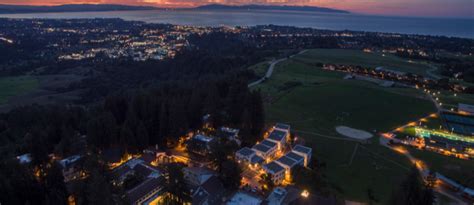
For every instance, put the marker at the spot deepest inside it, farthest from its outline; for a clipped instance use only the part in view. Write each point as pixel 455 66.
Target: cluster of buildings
pixel 273 156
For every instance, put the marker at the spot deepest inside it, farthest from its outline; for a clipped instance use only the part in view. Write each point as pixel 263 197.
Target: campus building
pixel 266 149
pixel 276 172
pixel 248 156
pixel 305 152
pixel 279 137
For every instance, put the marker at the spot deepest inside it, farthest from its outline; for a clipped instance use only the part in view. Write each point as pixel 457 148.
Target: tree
pixel 412 191
pixel 230 175
pixel 175 183
pixel 98 189
pixel 54 184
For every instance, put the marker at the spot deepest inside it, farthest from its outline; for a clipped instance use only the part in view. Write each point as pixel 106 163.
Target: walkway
pixel 271 68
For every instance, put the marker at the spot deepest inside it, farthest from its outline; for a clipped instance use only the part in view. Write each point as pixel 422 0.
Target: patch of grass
pixel 456 169
pixel 13 86
pixel 260 69
pixel 357 57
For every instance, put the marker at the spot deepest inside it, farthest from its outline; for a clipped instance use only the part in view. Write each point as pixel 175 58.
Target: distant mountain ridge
pixel 7 9
pixel 270 7
pixel 12 9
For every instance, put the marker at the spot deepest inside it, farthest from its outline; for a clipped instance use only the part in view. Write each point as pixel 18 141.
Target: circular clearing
pixel 353 133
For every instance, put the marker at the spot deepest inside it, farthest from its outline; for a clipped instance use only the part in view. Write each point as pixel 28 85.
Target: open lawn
pixel 357 57
pixel 315 101
pixel 12 86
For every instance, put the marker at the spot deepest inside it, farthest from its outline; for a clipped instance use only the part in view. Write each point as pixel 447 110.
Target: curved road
pixel 271 68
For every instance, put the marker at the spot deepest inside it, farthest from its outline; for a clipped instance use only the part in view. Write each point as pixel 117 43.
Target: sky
pixel 431 8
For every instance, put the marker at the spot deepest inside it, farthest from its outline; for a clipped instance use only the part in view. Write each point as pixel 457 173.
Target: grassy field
pixel 372 60
pixel 315 101
pixel 12 86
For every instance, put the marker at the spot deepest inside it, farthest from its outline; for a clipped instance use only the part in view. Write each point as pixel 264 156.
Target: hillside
pixel 270 7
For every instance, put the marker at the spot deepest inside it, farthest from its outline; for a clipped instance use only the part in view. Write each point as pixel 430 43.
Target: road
pixel 271 68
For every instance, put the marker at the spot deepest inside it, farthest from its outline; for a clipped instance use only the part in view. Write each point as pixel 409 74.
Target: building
pixel 244 154
pixel 465 108
pixel 265 151
pixel 286 162
pixel 230 134
pixel 199 144
pixel 209 193
pixel 71 169
pixel 276 172
pixel 459 123
pixel 305 152
pixel 298 158
pixel 282 127
pixel 148 189
pixel 196 176
pixel 244 198
pixel 280 137
pixel 24 158
pixel 277 196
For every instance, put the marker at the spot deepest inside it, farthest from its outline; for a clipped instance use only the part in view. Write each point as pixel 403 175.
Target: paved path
pixel 271 68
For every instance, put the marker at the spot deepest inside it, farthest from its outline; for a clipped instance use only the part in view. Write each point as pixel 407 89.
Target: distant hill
pixel 70 8
pixel 270 7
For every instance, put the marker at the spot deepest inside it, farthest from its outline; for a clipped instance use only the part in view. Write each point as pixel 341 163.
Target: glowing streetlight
pixel 305 194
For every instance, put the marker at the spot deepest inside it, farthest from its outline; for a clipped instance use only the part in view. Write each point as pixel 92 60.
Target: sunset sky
pixel 439 8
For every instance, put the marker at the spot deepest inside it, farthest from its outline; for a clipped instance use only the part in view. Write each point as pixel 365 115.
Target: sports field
pixel 314 102
pixel 13 86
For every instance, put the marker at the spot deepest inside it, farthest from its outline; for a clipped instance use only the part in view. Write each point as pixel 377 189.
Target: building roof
pixel 295 156
pixel 277 135
pixel 24 159
pixel 273 167
pixel 284 160
pixel 198 175
pixel 244 198
pixel 277 196
pixel 261 148
pixel 257 160
pixel 466 108
pixel 143 189
pixel 211 191
pixel 302 149
pixel 202 138
pixel 69 161
pixel 247 152
pixel 282 126
pixel 268 143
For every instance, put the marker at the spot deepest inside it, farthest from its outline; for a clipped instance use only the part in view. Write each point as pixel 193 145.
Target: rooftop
pixel 244 198
pixel 287 161
pixel 261 148
pixel 295 156
pixel 268 143
pixel 273 167
pixel 246 152
pixel 256 160
pixel 202 138
pixel 144 189
pixel 277 135
pixel 282 126
pixel 302 149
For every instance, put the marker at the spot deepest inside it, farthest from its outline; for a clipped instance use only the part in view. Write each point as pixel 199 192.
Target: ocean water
pixel 406 25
